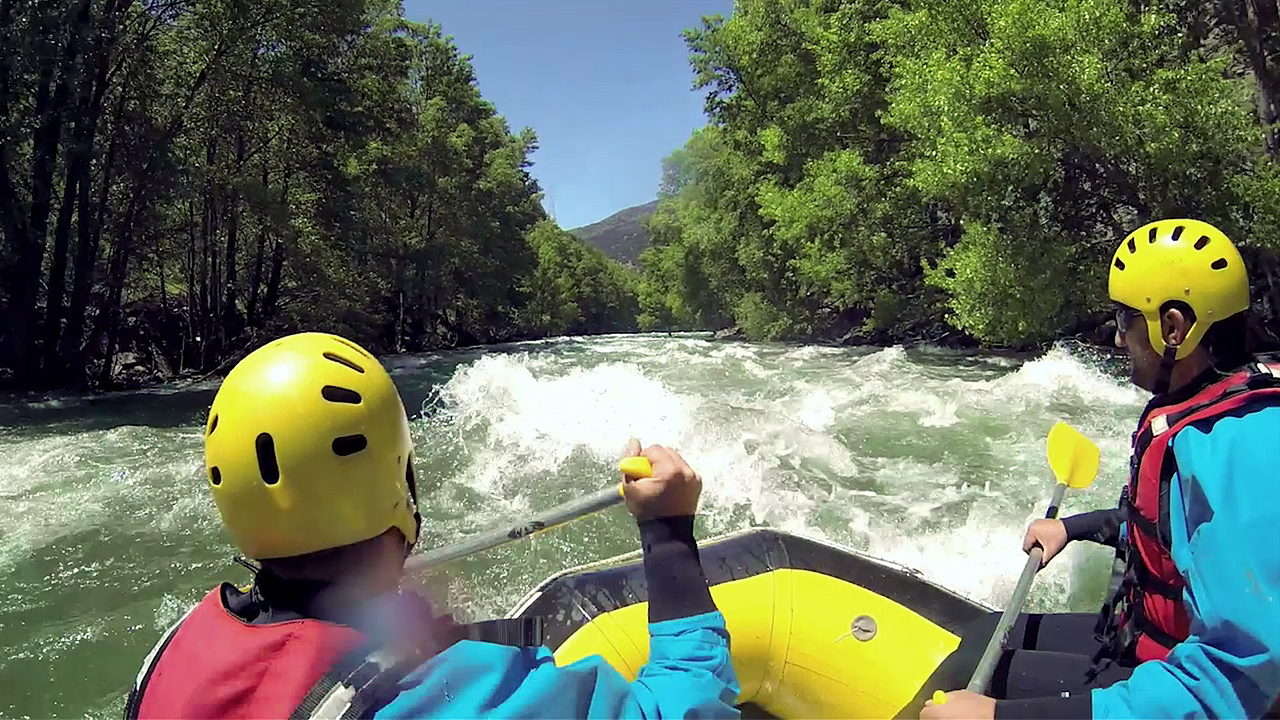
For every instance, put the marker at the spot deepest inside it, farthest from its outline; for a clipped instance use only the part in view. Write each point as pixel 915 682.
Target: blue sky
pixel 606 85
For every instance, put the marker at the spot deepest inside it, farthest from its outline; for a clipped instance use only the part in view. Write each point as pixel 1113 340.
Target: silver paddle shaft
pixel 531 525
pixel 987 666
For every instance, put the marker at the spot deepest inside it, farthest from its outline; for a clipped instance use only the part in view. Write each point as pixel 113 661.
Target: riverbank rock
pixel 130 370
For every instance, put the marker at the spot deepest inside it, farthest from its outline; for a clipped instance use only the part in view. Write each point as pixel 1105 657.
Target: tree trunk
pixel 230 313
pixel 90 223
pixel 117 273
pixel 50 97
pixel 89 112
pixel 11 222
pixel 191 275
pixel 205 300
pixel 1264 21
pixel 164 292
pixel 89 230
pixel 57 286
pixel 122 249
pixel 271 301
pixel 255 280
pixel 6 55
pixel 1254 21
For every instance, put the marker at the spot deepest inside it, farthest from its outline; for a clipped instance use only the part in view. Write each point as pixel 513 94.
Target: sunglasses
pixel 1125 318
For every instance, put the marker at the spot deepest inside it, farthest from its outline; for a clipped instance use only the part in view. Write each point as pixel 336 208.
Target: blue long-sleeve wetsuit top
pixel 688 675
pixel 1224 506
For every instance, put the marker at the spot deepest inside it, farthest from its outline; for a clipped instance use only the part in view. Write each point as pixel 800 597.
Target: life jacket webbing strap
pixel 1254 376
pixel 1263 374
pixel 353 686
pixel 359 683
pixel 1136 571
pixel 1164 524
pixel 1148 628
pixel 1264 382
pixel 1160 424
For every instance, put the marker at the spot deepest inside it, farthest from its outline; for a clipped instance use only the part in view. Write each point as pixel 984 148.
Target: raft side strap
pixel 518 632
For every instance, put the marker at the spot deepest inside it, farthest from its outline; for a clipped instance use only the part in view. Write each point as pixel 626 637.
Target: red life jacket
pixel 213 664
pixel 1146 617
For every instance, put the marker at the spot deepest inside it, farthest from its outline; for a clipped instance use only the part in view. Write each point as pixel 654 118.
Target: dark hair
pixel 1229 341
pixel 327 565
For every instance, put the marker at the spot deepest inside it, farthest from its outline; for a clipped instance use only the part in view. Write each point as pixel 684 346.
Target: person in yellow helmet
pixel 1192 625
pixel 309 460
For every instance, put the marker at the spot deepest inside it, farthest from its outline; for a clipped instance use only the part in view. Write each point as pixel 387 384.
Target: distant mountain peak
pixel 621 236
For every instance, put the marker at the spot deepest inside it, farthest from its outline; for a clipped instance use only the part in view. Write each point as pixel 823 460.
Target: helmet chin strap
pixel 253 567
pixel 1165 375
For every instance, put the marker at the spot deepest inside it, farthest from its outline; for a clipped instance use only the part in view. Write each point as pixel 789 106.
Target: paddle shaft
pixel 534 524
pixel 987 665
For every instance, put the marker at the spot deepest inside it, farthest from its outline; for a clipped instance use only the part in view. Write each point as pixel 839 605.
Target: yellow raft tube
pixel 818 631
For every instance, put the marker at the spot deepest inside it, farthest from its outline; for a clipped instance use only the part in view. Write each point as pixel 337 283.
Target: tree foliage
pixel 180 179
pixel 576 288
pixel 893 169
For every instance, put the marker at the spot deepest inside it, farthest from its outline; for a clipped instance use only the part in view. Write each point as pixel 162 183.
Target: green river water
pixel 932 459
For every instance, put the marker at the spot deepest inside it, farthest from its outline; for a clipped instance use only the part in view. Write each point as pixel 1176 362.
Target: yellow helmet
pixel 1187 260
pixel 307 448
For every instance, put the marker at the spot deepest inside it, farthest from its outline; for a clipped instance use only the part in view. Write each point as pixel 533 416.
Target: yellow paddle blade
pixel 1073 457
pixel 637 466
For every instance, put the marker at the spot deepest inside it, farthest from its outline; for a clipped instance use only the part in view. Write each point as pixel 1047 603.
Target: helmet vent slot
pixel 336 394
pixel 1155 233
pixel 213 425
pixel 1219 264
pixel 1119 264
pixel 1204 240
pixel 353 346
pixel 215 475
pixel 343 361
pixel 1177 232
pixel 349 445
pixel 268 467
pixel 1133 247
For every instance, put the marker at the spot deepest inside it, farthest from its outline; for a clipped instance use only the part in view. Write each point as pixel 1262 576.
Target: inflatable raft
pixel 818 631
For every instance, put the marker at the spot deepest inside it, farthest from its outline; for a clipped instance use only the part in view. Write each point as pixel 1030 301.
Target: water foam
pixel 527 422
pixel 926 458
pixel 59 486
pixel 814 440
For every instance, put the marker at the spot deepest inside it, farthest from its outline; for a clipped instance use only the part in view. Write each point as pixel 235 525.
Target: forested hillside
pixel 181 179
pixel 621 236
pixel 958 169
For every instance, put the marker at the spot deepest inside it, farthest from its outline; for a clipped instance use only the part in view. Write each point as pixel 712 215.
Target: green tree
pixel 902 170
pixel 180 180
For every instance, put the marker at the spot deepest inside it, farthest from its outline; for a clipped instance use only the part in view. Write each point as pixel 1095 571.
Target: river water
pixel 930 458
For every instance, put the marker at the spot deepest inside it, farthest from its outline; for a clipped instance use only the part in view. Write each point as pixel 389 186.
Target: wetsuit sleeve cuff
pixel 1100 526
pixel 1072 707
pixel 677 585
